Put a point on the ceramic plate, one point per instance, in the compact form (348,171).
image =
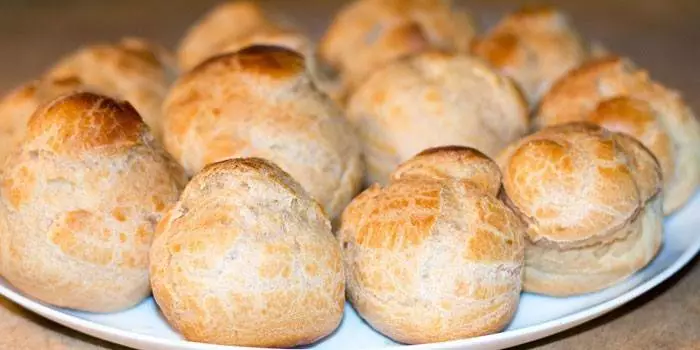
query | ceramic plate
(143,327)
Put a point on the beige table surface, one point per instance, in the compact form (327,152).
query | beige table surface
(663,36)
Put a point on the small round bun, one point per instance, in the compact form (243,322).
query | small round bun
(131,69)
(615,94)
(80,198)
(534,47)
(228,20)
(234,25)
(246,249)
(260,102)
(434,99)
(591,199)
(435,255)
(367,34)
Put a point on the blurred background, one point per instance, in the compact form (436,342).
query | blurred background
(661,36)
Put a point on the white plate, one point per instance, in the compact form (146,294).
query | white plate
(144,328)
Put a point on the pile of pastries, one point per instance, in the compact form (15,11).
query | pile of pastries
(227,178)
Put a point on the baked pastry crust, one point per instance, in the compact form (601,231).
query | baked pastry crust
(271,36)
(246,249)
(534,47)
(18,106)
(615,94)
(591,199)
(434,99)
(234,25)
(368,34)
(261,102)
(434,255)
(79,201)
(131,69)
(205,38)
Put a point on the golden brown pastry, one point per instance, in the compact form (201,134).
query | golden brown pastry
(592,201)
(434,255)
(79,201)
(367,34)
(261,102)
(130,69)
(637,118)
(246,249)
(615,94)
(434,99)
(18,106)
(235,25)
(232,26)
(534,47)
(219,25)
(271,36)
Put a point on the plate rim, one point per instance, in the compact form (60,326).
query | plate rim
(492,341)
(542,330)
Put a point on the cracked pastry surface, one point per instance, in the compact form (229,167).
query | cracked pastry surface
(434,99)
(368,34)
(246,249)
(592,201)
(79,202)
(131,69)
(234,25)
(613,93)
(261,102)
(534,47)
(435,255)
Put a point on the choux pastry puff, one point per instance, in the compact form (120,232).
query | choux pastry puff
(80,199)
(591,200)
(247,258)
(435,255)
